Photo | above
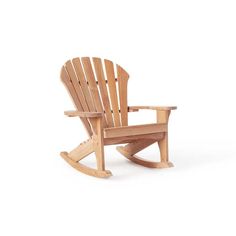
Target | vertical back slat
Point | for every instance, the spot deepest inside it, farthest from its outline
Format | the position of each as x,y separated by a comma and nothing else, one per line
83,83
112,90
75,82
122,77
103,90
92,85
68,84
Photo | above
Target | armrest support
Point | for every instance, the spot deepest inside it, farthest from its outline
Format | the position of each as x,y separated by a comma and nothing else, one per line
83,114
157,108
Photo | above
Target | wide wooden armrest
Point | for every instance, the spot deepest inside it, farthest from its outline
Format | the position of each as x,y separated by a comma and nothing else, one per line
83,114
157,108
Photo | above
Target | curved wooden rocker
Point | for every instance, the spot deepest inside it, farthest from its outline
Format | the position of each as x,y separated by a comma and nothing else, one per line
143,162
99,91
85,169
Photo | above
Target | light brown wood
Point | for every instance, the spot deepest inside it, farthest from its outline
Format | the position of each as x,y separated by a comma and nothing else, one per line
101,103
160,108
133,138
134,130
83,83
92,85
67,82
76,85
83,114
123,77
163,116
138,145
85,169
98,144
140,161
103,90
112,89
131,109
83,150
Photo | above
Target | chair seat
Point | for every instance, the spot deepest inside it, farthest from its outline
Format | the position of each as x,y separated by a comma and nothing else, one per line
133,130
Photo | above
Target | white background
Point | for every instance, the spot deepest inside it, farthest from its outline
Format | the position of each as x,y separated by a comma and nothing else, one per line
177,53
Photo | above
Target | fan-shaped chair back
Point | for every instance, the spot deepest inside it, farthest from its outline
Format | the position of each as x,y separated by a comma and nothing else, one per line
98,85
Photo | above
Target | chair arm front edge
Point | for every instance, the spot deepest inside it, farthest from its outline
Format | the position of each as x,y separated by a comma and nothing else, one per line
83,114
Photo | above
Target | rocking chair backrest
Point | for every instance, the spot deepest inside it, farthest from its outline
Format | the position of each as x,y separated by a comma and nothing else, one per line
98,86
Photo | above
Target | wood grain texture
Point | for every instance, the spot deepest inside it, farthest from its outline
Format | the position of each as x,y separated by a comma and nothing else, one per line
68,84
112,90
134,130
123,77
160,108
133,138
98,143
92,85
103,90
82,151
85,169
163,116
143,162
74,80
83,83
138,145
101,103
83,114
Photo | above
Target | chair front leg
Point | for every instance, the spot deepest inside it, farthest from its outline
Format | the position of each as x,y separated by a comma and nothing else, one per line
163,146
98,142
163,117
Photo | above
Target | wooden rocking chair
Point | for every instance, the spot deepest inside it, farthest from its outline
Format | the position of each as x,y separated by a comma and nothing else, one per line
99,92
